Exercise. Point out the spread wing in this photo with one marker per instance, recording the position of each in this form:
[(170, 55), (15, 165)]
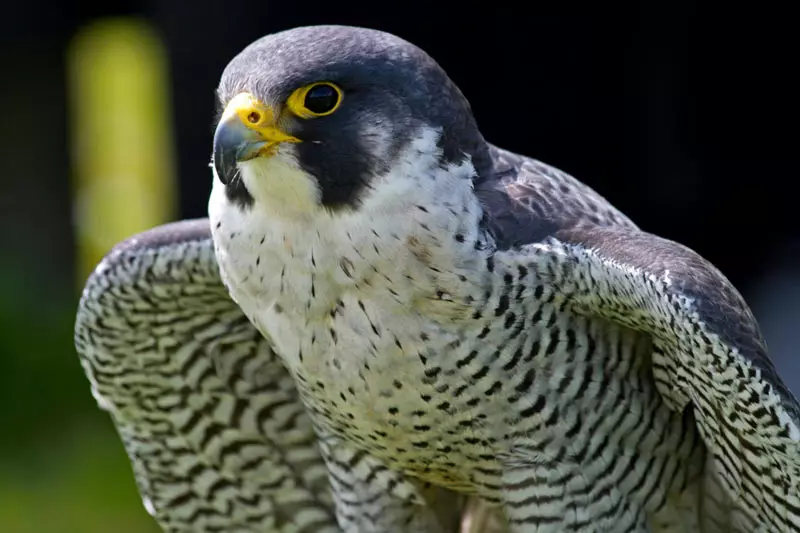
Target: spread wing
[(211, 421), (709, 354)]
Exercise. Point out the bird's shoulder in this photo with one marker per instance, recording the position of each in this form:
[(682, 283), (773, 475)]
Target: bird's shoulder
[(530, 203), (526, 200)]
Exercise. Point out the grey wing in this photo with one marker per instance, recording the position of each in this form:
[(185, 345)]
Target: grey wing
[(211, 421), (526, 200), (709, 355)]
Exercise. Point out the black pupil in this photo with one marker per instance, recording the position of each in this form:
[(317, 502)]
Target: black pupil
[(321, 99)]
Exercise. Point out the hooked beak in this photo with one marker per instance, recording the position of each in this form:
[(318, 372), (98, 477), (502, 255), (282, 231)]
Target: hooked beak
[(247, 130)]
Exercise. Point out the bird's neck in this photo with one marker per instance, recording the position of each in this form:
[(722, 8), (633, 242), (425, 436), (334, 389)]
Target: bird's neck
[(410, 235)]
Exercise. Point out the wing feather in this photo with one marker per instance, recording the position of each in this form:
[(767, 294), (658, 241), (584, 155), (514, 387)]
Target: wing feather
[(709, 353), (211, 422)]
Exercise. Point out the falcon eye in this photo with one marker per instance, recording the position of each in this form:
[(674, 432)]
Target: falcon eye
[(321, 99), (315, 100)]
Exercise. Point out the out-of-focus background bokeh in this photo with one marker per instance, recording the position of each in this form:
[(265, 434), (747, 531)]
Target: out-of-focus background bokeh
[(687, 123)]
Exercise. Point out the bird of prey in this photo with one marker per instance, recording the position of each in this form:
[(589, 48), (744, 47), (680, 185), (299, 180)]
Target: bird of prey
[(385, 314)]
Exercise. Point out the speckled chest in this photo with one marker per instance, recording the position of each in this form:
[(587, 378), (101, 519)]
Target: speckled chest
[(444, 374), (367, 341)]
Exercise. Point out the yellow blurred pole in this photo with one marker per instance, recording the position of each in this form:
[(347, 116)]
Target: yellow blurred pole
[(121, 134)]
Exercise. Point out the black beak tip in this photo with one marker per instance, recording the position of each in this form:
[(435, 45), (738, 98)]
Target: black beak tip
[(221, 161), (227, 142)]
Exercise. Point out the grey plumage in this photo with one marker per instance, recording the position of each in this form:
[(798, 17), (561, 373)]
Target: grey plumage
[(486, 325)]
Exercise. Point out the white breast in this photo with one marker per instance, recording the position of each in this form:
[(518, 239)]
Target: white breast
[(338, 293)]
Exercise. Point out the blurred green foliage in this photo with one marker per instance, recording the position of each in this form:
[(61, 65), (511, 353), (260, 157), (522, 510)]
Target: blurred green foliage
[(62, 467)]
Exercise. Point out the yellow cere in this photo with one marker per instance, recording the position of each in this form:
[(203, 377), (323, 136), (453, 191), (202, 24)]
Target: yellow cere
[(296, 102), (257, 116)]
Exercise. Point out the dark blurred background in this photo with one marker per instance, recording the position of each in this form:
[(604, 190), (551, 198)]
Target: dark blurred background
[(685, 122)]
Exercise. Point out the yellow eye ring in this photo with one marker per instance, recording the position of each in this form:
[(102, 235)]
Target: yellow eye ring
[(315, 100)]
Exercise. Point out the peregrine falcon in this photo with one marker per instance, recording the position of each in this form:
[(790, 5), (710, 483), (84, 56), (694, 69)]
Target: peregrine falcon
[(385, 315)]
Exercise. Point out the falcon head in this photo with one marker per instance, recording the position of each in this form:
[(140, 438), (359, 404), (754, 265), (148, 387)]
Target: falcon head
[(318, 117)]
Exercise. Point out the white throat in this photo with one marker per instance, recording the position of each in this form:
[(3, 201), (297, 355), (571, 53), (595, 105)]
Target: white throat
[(286, 258)]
